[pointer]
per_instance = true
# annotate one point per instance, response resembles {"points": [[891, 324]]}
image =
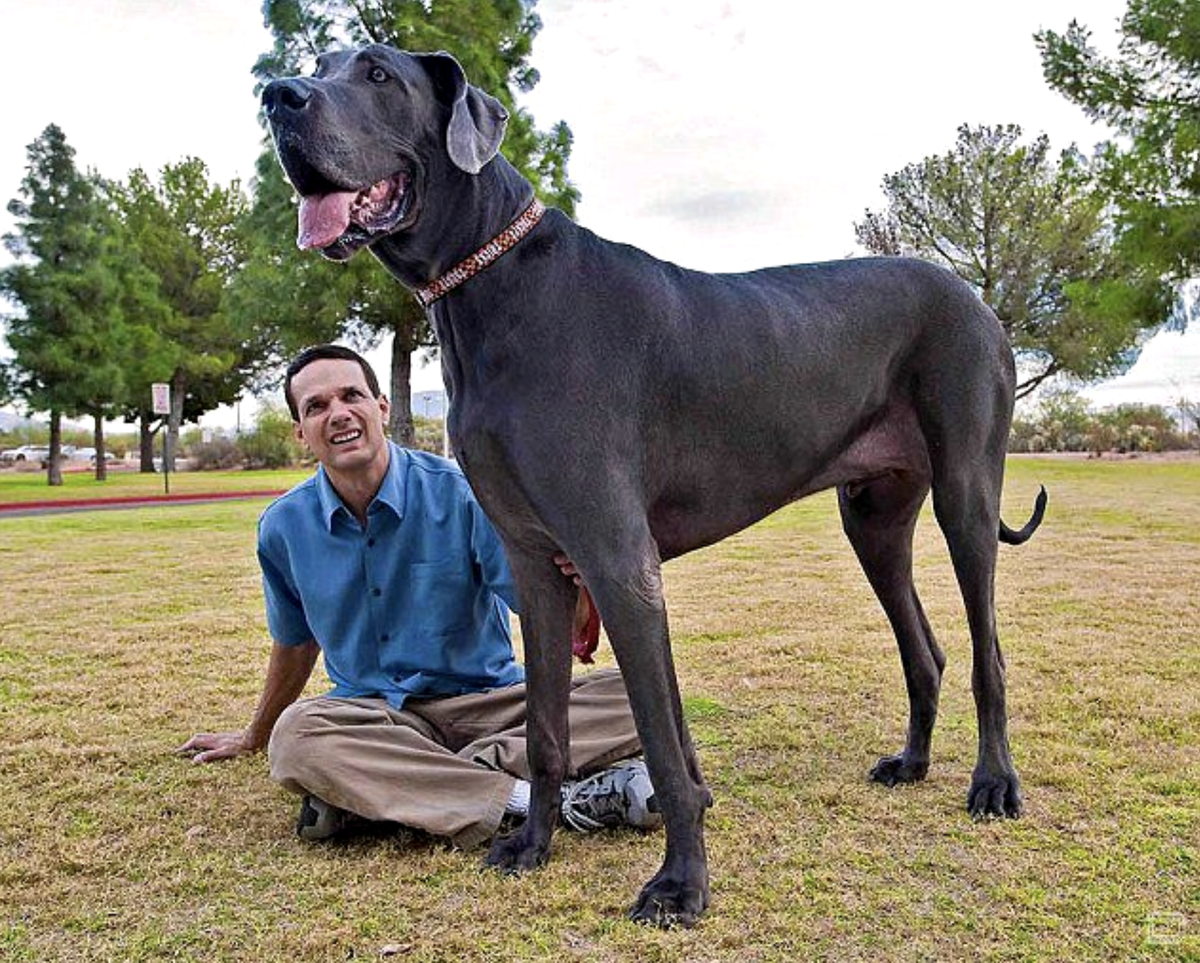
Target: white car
{"points": [[26, 453]]}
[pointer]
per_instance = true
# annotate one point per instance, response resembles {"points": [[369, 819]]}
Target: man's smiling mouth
{"points": [[345, 437]]}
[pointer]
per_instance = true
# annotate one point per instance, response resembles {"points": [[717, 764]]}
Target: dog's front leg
{"points": [[547, 606], [628, 591]]}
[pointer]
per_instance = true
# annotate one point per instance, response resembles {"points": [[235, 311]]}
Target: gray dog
{"points": [[623, 411]]}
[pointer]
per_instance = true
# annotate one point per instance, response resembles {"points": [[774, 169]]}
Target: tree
{"points": [[1032, 235], [78, 289], [187, 232], [302, 298], [1150, 93]]}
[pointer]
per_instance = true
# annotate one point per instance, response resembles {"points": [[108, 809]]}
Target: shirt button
{"points": [[376, 592], [384, 637], [370, 543]]}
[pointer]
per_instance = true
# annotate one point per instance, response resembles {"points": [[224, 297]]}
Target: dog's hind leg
{"points": [[879, 517], [628, 592], [966, 499]]}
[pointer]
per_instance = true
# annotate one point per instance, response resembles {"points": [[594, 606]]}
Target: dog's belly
{"points": [[705, 506]]}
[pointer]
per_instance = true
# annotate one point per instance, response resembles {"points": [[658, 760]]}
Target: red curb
{"points": [[134, 500]]}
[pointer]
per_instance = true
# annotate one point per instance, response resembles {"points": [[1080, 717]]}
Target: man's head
{"points": [[325, 351], [338, 409]]}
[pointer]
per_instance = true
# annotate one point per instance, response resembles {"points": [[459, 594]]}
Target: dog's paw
{"points": [[669, 903], [515, 854], [899, 769], [994, 795]]}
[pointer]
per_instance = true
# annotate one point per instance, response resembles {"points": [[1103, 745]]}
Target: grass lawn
{"points": [[122, 633]]}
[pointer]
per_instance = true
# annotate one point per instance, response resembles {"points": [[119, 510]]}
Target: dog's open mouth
{"points": [[345, 220]]}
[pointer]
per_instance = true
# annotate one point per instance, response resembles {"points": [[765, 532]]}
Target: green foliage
{"points": [[272, 443], [297, 298], [1148, 91], [83, 292], [1064, 420], [1032, 234], [187, 231], [6, 383]]}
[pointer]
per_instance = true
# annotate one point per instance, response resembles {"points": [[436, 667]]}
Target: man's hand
{"points": [[585, 628], [287, 673], [567, 567], [214, 746]]}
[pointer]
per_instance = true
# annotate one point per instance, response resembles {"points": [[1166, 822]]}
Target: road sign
{"points": [[161, 396]]}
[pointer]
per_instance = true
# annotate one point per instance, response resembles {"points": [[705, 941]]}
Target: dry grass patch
{"points": [[123, 633]]}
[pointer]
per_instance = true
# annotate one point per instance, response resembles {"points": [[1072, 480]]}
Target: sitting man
{"points": [[384, 563]]}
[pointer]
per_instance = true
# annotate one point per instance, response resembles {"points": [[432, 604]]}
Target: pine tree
{"points": [[77, 287], [1150, 92], [1031, 234]]}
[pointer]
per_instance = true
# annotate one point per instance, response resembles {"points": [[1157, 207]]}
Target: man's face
{"points": [[340, 422]]}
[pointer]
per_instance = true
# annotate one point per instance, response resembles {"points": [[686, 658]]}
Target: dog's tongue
{"points": [[323, 219]]}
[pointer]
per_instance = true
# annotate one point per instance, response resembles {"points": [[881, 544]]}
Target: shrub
{"points": [[218, 453], [272, 443]]}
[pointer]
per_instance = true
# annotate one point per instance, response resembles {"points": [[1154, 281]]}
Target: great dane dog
{"points": [[621, 410]]}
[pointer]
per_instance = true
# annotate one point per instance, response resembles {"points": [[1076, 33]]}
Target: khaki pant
{"points": [[446, 766]]}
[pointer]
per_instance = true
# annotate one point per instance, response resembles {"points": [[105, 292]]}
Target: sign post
{"points": [[160, 393]]}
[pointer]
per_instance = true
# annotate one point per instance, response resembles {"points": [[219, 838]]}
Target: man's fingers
{"points": [[210, 755], [568, 568], [211, 746]]}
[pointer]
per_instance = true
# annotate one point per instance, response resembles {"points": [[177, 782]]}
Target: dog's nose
{"points": [[285, 95]]}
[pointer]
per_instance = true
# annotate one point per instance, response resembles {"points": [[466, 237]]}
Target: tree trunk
{"points": [[400, 423], [98, 442], [146, 435], [54, 470]]}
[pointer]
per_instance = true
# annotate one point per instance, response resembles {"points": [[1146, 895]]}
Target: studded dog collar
{"points": [[466, 269]]}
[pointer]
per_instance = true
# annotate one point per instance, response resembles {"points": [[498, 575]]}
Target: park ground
{"points": [[123, 632]]}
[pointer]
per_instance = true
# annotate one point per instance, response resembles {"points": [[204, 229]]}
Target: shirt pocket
{"points": [[443, 597]]}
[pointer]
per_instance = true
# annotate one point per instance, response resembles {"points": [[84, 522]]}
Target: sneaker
{"points": [[620, 796], [319, 820]]}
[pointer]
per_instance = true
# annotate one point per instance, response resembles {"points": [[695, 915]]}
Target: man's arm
{"points": [[287, 673]]}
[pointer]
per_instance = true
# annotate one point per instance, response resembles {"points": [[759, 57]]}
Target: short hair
{"points": [[320, 352]]}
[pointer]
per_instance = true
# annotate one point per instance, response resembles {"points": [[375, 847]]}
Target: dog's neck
{"points": [[484, 204]]}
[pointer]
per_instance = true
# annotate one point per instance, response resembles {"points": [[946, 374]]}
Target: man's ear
{"points": [[477, 120], [298, 432], [385, 407]]}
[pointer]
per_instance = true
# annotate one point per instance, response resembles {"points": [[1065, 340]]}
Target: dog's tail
{"points": [[1009, 537]]}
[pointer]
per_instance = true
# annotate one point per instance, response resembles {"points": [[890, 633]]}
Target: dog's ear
{"points": [[477, 120]]}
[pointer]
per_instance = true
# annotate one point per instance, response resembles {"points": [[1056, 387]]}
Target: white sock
{"points": [[518, 802]]}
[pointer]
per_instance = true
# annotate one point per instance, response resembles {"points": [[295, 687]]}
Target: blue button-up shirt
{"points": [[412, 605]]}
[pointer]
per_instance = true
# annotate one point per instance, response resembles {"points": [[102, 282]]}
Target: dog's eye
{"points": [[377, 75]]}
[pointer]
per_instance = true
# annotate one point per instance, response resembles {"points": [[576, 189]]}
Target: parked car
{"points": [[26, 453], [89, 455]]}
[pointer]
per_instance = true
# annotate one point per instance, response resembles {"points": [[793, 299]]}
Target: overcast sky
{"points": [[720, 134]]}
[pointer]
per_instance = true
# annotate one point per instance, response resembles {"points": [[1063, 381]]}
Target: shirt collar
{"points": [[390, 495]]}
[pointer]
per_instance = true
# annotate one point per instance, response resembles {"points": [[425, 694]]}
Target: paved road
{"points": [[58, 506]]}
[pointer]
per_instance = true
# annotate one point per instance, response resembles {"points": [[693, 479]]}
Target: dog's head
{"points": [[361, 138]]}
